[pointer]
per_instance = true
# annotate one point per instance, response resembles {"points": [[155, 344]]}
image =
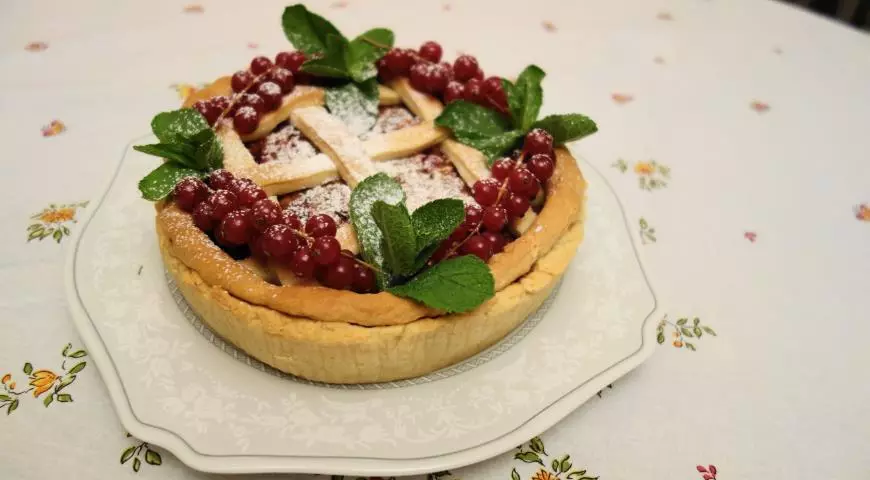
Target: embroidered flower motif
{"points": [[759, 106], [194, 8], [36, 46], [56, 127], [446, 7], [53, 221], [666, 16], [647, 233], [7, 381], [543, 475], [41, 381], [683, 329], [152, 457], [549, 26], [253, 45], [708, 473], [751, 236], [340, 4], [862, 212], [621, 98], [644, 168]]}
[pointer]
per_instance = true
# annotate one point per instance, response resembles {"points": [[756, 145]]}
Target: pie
{"points": [[297, 250]]}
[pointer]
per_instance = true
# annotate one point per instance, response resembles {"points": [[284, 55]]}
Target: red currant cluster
{"points": [[506, 195], [463, 80], [237, 212], [257, 90]]}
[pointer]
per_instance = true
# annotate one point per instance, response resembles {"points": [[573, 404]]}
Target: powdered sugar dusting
{"points": [[347, 147], [270, 88], [331, 199], [389, 120], [286, 145], [425, 177]]}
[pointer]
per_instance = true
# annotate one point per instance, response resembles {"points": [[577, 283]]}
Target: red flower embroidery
{"points": [[56, 127], [750, 236], [253, 45], [666, 16], [759, 106], [446, 7], [338, 5], [708, 473], [194, 8], [862, 212], [36, 46], [621, 98], [549, 26]]}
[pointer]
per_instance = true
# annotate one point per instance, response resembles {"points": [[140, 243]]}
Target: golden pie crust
{"points": [[338, 336]]}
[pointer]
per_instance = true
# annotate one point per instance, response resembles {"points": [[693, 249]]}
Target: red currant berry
{"points": [[255, 244], [459, 234], [478, 75], [252, 100], [189, 192], [222, 202], [264, 213], [399, 61], [541, 167], [240, 184], [283, 78], [464, 67], [292, 221], [241, 80], [522, 182], [419, 75], [249, 195], [221, 102], [479, 246], [517, 205], [486, 191], [246, 119], [473, 216], [438, 78], [441, 252], [203, 217], [502, 168], [474, 91], [271, 94], [453, 92], [493, 91], [363, 279], [320, 226], [236, 227], [384, 73], [208, 110], [494, 218], [303, 264], [279, 241], [339, 275], [431, 51], [220, 179], [497, 241], [260, 65], [538, 141], [326, 250], [291, 60]]}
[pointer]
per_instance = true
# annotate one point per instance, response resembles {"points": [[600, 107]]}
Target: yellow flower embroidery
{"points": [[6, 378], [862, 212], [543, 475], [56, 127], [42, 380], [53, 221], [644, 168], [58, 215]]}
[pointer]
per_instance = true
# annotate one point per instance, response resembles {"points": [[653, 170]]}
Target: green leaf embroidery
{"points": [[660, 338], [528, 457], [355, 106], [709, 330], [399, 242], [66, 349], [537, 445], [566, 128], [127, 455], [682, 321], [696, 321], [565, 464], [66, 381], [58, 234], [333, 63], [78, 354], [12, 407], [362, 53], [77, 368], [531, 95], [555, 466], [379, 187], [436, 220], [697, 331], [456, 285], [28, 368], [5, 398], [64, 398], [152, 457], [515, 475], [686, 332], [48, 399], [160, 182], [306, 31], [690, 346], [137, 464]]}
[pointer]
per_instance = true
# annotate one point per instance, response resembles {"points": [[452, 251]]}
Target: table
{"points": [[734, 133]]}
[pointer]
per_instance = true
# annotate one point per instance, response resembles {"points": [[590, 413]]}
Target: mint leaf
{"points": [[436, 220], [160, 182], [356, 105], [378, 187], [209, 153], [181, 153], [531, 95], [178, 126], [565, 128], [470, 120], [456, 285], [493, 147], [333, 62], [363, 52], [399, 244], [307, 31]]}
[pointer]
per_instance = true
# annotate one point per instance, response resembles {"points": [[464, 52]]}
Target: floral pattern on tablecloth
{"points": [[54, 221], [43, 381]]}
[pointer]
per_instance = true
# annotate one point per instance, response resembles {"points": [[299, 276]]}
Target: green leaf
{"points": [[528, 457], [696, 321], [686, 332], [531, 95], [495, 146], [160, 182], [77, 368], [379, 187], [5, 398], [515, 475], [178, 126], [643, 223], [709, 330], [64, 398], [565, 464], [682, 321], [456, 285], [436, 220], [555, 466], [64, 383], [333, 63], [355, 106], [307, 31], [78, 354], [537, 445], [28, 368], [181, 153], [566, 128], [660, 338], [697, 331], [152, 457], [12, 407], [209, 153], [137, 464], [399, 242], [66, 349], [362, 53], [58, 234], [127, 455], [48, 399], [469, 120], [690, 346]]}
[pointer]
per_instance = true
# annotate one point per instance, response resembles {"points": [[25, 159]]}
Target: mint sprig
{"points": [[189, 146], [399, 244], [334, 56], [494, 134]]}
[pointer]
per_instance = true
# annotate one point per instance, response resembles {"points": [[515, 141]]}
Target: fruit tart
{"points": [[355, 212]]}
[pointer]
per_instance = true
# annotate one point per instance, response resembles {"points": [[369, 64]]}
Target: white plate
{"points": [[174, 385]]}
